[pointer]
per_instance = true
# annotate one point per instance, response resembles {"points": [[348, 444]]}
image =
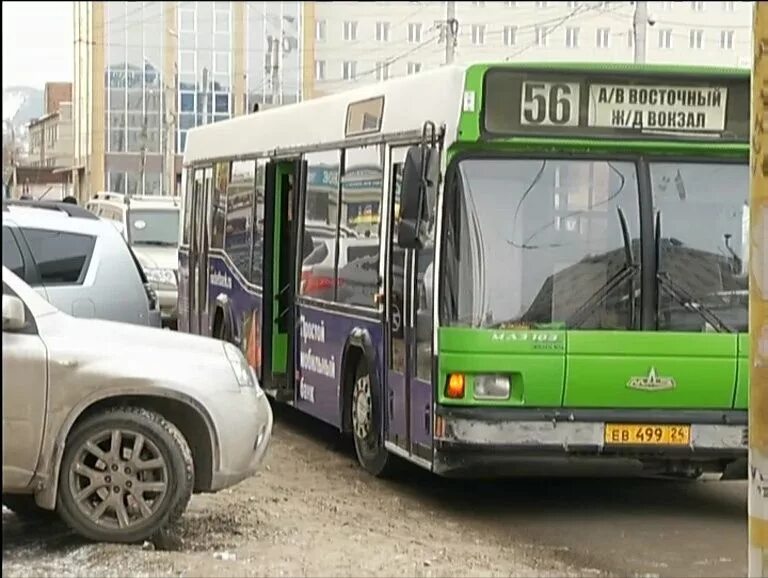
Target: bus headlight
{"points": [[243, 372], [491, 387], [160, 276]]}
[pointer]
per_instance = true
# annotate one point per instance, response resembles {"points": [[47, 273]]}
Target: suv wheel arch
{"points": [[183, 411]]}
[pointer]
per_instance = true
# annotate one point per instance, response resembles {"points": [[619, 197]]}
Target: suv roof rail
{"points": [[69, 209]]}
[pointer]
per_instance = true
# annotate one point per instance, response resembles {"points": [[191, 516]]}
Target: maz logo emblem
{"points": [[651, 382]]}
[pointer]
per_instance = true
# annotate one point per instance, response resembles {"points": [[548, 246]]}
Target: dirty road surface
{"points": [[313, 512]]}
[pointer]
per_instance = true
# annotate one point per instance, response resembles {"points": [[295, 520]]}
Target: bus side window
{"points": [[361, 193]]}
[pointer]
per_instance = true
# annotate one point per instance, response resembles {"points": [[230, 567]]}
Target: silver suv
{"points": [[77, 262]]}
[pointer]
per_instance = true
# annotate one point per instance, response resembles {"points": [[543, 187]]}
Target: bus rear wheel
{"points": [[367, 416]]}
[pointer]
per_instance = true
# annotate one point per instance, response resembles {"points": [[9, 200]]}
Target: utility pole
{"points": [[450, 32], [639, 28], [275, 53], [205, 95], [143, 155], [758, 303], [169, 154]]}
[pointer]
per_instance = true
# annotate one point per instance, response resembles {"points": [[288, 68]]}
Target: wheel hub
{"points": [[363, 408], [119, 479]]}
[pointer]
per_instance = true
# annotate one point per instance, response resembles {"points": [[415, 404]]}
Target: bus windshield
{"points": [[557, 243], [154, 227]]}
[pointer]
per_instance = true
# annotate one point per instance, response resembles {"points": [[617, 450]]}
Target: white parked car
{"points": [[115, 425], [150, 224]]}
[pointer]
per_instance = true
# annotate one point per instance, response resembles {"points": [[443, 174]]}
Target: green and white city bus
{"points": [[491, 269]]}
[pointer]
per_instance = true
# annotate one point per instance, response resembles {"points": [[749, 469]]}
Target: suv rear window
{"points": [[60, 257]]}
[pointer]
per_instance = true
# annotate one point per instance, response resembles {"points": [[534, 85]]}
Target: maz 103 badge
{"points": [[539, 340]]}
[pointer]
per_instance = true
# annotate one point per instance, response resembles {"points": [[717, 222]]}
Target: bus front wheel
{"points": [[367, 416]]}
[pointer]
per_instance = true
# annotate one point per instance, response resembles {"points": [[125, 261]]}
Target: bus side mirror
{"points": [[418, 190]]}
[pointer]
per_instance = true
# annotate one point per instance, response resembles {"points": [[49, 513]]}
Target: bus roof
{"points": [[433, 95], [436, 95]]}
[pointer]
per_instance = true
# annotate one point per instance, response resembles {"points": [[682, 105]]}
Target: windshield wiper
{"points": [[627, 272], [681, 295]]}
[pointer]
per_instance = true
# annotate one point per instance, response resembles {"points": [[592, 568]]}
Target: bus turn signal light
{"points": [[455, 386]]}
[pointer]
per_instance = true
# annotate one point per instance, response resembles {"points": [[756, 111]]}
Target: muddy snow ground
{"points": [[313, 512]]}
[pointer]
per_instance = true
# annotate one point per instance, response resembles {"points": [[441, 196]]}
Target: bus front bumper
{"points": [[500, 441]]}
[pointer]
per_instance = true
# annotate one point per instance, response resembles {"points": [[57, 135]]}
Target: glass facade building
{"points": [[168, 67]]}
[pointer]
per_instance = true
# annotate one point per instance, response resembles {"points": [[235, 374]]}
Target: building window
{"points": [[540, 36], [187, 62], [603, 37], [414, 32], [350, 31], [382, 32], [349, 69], [320, 30], [382, 70], [572, 37], [728, 6], [221, 104], [414, 67], [478, 34], [697, 6], [187, 20], [665, 38], [187, 101], [697, 39], [319, 69], [726, 39], [510, 35], [221, 20], [221, 63]]}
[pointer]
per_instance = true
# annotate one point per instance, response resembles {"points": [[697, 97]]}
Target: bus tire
{"points": [[367, 415]]}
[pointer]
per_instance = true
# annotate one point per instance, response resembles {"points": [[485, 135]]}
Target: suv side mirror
{"points": [[418, 189], [14, 316]]}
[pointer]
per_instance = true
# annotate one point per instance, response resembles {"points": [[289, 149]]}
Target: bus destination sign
{"points": [[616, 105], [665, 108]]}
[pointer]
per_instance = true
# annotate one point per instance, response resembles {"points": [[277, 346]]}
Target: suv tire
{"points": [[113, 506]]}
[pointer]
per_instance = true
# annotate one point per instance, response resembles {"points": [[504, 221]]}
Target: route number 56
{"points": [[550, 104]]}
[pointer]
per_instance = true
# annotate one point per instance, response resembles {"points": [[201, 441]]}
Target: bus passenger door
{"points": [[204, 236], [194, 200], [280, 231], [409, 334]]}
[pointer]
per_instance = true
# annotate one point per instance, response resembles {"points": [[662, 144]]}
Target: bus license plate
{"points": [[647, 434]]}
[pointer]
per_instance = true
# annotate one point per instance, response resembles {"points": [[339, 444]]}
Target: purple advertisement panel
{"points": [[320, 344], [244, 301], [398, 420], [421, 413]]}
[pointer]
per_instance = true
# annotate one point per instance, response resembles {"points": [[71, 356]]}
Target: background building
{"points": [[51, 141], [147, 72], [361, 42]]}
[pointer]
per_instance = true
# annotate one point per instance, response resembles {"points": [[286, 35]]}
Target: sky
{"points": [[38, 43]]}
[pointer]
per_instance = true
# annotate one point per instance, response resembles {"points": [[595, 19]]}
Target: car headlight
{"points": [[244, 373], [160, 276], [491, 387]]}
